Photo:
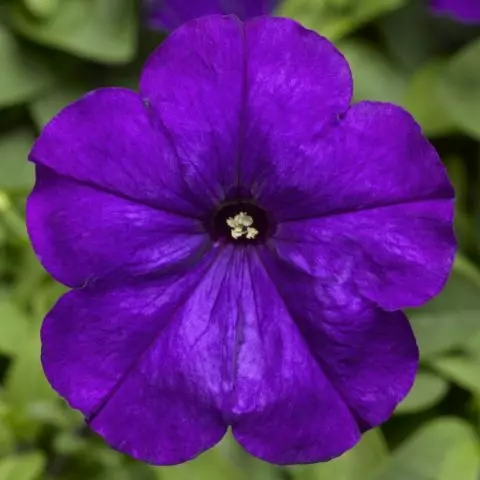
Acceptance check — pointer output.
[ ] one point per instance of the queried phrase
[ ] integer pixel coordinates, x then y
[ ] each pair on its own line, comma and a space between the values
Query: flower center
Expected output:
240, 222
242, 225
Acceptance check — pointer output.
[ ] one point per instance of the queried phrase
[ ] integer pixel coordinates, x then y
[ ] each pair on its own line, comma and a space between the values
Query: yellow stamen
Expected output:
241, 225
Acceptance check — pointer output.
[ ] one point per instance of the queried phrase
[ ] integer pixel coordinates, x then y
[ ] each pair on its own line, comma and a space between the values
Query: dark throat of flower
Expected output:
240, 223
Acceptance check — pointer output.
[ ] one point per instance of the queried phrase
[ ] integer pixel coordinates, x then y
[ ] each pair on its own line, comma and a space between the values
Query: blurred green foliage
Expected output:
52, 51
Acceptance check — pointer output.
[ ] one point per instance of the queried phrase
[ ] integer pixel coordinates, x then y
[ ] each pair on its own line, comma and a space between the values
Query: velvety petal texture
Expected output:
144, 361
170, 14
369, 355
304, 369
112, 141
467, 11
290, 332
75, 227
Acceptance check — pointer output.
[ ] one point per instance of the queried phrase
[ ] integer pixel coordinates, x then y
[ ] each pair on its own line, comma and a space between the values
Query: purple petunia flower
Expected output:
170, 14
240, 241
467, 11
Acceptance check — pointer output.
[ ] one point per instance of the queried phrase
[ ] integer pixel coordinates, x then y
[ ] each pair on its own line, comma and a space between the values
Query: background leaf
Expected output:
22, 467
25, 384
462, 462
17, 173
211, 465
44, 108
424, 101
14, 327
100, 30
450, 320
375, 77
427, 391
23, 75
363, 462
335, 19
462, 370
41, 8
460, 88
418, 458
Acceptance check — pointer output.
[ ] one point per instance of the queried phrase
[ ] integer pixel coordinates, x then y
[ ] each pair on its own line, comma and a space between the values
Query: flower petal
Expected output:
109, 140
298, 83
144, 362
374, 156
370, 356
194, 84
226, 90
286, 409
397, 256
161, 368
467, 11
170, 14
82, 234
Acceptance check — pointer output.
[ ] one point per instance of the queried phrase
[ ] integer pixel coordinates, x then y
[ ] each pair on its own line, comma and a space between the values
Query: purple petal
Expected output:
397, 256
369, 356
374, 156
194, 84
298, 83
467, 11
226, 90
170, 14
383, 206
160, 368
110, 141
286, 409
144, 362
81, 233
171, 340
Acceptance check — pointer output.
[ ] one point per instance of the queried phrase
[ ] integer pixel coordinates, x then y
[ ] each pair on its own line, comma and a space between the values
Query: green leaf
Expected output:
418, 457
424, 102
375, 77
12, 221
473, 345
26, 385
462, 370
100, 30
458, 175
29, 276
43, 109
451, 319
253, 468
359, 463
17, 172
47, 296
23, 467
27, 392
413, 35
23, 75
212, 465
465, 227
3, 239
14, 327
68, 443
336, 18
428, 390
408, 35
468, 269
459, 87
67, 91
41, 8
462, 462
7, 435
